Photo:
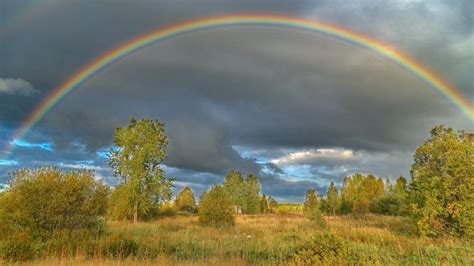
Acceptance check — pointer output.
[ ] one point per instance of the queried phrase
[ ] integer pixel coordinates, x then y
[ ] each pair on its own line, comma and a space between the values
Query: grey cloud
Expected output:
16, 86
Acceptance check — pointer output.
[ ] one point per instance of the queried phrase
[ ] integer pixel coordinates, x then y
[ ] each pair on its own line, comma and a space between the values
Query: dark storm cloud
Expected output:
269, 91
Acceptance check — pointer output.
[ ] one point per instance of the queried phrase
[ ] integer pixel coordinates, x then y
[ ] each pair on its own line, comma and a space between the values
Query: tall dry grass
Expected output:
269, 239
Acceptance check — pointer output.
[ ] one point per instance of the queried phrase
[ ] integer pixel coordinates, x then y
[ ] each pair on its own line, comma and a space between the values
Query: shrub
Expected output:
45, 200
321, 248
19, 247
215, 208
390, 204
185, 200
116, 246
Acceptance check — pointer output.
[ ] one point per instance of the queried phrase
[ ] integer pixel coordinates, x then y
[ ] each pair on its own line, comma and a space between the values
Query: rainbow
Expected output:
111, 56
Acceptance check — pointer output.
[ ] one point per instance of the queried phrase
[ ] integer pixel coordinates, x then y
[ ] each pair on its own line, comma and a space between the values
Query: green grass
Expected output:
265, 240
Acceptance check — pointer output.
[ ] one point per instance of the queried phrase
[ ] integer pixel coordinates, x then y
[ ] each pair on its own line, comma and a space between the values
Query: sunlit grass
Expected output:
271, 239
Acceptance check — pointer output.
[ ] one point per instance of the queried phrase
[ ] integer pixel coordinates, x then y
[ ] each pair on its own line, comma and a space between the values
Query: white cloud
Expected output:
16, 86
304, 156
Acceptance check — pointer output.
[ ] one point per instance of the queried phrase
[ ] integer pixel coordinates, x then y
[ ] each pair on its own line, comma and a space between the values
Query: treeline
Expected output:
439, 198
361, 194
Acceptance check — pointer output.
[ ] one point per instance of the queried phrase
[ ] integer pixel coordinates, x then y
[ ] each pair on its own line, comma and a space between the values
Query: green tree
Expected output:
332, 199
442, 188
400, 187
119, 205
216, 209
272, 204
251, 197
263, 204
44, 201
311, 207
360, 193
185, 200
136, 159
234, 186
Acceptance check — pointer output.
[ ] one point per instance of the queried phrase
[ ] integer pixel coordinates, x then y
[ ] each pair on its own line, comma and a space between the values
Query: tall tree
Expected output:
251, 195
400, 186
185, 200
234, 186
263, 204
332, 198
136, 159
442, 188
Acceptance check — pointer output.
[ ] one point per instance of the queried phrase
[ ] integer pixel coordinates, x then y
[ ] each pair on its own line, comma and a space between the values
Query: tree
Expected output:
272, 204
332, 198
311, 208
360, 193
251, 197
44, 201
215, 208
263, 204
400, 187
233, 186
442, 188
136, 159
185, 200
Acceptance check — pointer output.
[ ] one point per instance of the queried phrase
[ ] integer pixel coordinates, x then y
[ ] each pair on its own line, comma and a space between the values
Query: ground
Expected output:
272, 239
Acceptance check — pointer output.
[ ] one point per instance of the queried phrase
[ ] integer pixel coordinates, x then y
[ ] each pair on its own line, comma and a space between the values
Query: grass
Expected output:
269, 239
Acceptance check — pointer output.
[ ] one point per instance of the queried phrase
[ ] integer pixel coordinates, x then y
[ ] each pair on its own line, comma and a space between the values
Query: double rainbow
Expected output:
108, 58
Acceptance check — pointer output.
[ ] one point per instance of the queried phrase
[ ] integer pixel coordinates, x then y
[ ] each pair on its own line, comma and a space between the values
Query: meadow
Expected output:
264, 239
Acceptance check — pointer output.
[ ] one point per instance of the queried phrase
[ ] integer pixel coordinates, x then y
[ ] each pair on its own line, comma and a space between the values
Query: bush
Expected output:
215, 208
185, 201
116, 246
390, 204
45, 200
322, 248
19, 249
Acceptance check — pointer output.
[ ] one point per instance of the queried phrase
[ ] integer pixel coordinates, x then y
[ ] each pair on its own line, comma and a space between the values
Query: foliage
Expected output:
286, 207
391, 204
311, 207
216, 209
270, 239
244, 193
264, 204
251, 193
42, 201
117, 246
321, 248
442, 190
140, 149
332, 199
185, 200
359, 193
272, 204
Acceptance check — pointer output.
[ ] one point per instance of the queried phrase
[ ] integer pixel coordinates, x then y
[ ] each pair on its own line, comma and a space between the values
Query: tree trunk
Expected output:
135, 213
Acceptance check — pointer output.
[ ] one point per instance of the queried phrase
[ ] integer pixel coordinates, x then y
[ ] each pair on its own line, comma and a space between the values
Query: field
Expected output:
270, 239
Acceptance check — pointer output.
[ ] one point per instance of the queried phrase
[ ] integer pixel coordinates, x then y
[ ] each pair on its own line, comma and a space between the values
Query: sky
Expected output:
298, 109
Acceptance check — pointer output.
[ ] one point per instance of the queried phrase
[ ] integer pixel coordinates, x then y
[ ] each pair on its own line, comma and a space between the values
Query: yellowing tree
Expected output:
136, 159
442, 190
185, 200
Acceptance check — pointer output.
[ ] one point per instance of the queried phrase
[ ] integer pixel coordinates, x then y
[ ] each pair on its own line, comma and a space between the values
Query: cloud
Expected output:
16, 86
24, 144
311, 155
300, 109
